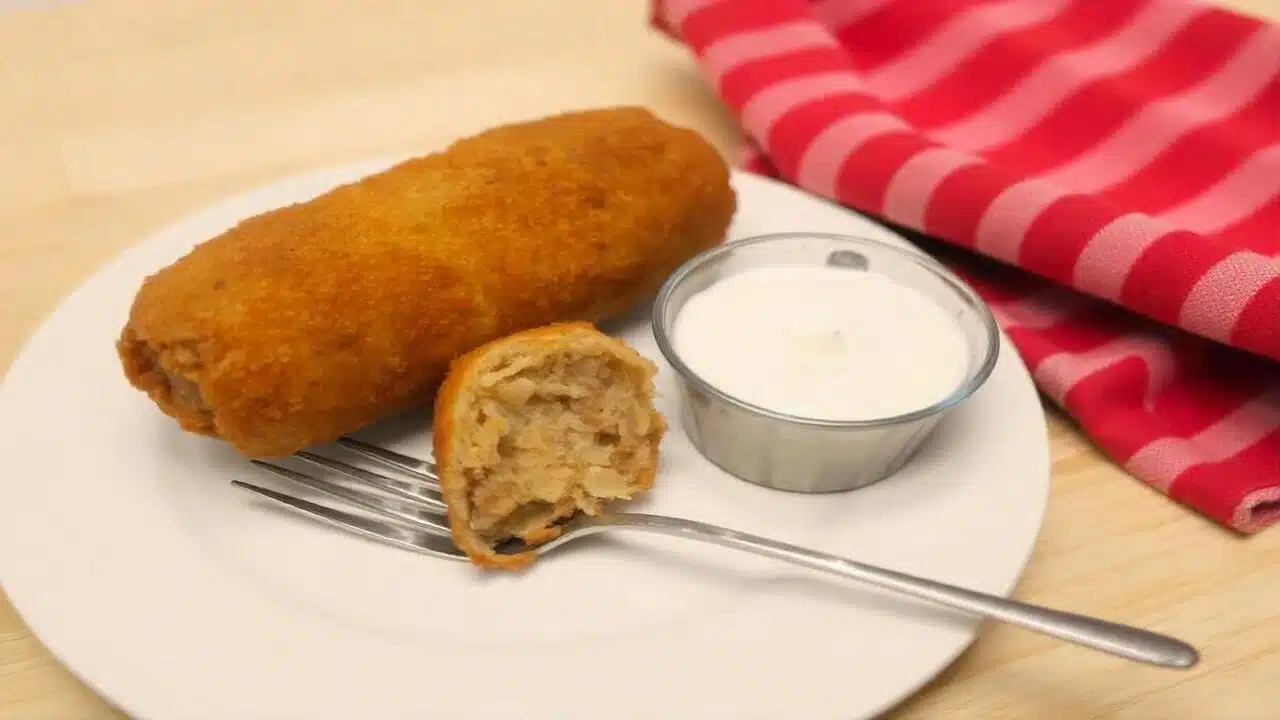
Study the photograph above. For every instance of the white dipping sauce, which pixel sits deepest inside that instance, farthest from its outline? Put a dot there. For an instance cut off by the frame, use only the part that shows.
(822, 343)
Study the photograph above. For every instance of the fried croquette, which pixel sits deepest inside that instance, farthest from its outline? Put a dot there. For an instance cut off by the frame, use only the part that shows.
(311, 321)
(536, 427)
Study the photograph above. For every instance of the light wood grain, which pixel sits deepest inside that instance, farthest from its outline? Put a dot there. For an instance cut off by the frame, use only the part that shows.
(118, 116)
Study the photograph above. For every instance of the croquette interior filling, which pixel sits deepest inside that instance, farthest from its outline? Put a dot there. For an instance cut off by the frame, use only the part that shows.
(555, 435)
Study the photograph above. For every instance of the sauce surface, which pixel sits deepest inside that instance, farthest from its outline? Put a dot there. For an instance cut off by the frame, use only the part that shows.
(822, 343)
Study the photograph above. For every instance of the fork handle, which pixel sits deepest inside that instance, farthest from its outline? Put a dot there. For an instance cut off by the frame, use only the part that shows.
(1123, 641)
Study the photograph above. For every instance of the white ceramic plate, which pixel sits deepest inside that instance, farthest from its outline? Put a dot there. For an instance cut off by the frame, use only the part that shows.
(126, 549)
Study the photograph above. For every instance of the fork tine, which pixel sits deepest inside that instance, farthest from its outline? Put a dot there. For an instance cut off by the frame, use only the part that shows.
(359, 498)
(429, 497)
(422, 542)
(416, 467)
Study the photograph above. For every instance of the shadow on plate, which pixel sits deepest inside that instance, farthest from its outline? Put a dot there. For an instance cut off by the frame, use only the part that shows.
(635, 319)
(781, 579)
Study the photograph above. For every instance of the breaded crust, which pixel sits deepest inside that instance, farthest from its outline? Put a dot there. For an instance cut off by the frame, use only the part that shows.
(453, 400)
(308, 322)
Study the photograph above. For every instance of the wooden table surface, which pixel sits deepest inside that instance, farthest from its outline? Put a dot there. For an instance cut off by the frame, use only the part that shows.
(119, 116)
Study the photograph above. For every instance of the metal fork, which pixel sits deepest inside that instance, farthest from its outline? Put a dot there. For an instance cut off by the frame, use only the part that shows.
(412, 515)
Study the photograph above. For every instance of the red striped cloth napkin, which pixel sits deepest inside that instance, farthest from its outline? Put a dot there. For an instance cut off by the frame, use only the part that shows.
(1119, 160)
